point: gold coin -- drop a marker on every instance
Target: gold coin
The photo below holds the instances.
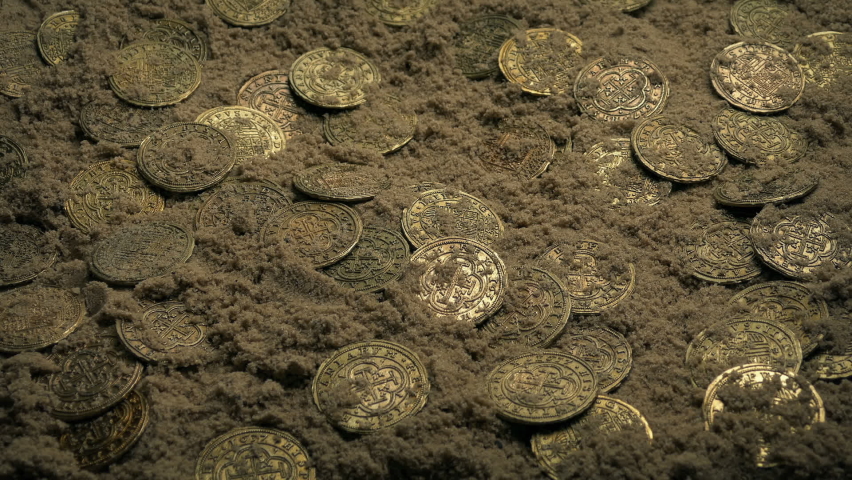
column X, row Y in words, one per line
column 722, row 253
column 164, row 331
column 763, row 20
column 522, row 148
column 536, row 310
column 13, row 160
column 253, row 133
column 56, row 35
column 834, row 367
column 20, row 63
column 25, row 252
column 137, row 252
column 333, row 78
column 36, row 317
column 398, row 13
column 186, row 157
column 100, row 441
column 758, row 139
column 269, row 92
column 445, row 213
column 478, row 43
column 243, row 206
column 254, row 453
column 606, row 351
column 621, row 89
column 249, row 13
column 382, row 382
column 543, row 63
column 460, row 279
column 624, row 5
column 758, row 77
column 120, row 123
column 542, row 388
column 154, row 74
column 96, row 190
column 323, row 233
column 748, row 190
column 825, row 57
column 425, row 187
column 175, row 32
column 379, row 258
column 341, row 182
column 676, row 152
column 618, row 170
column 385, row 126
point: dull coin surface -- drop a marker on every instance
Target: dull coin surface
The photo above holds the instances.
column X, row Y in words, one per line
column 35, row 317
column 20, row 62
column 444, row 213
column 722, row 253
column 523, row 149
column 605, row 350
column 243, row 206
column 676, row 152
column 618, row 170
column 118, row 122
column 621, row 89
column 25, row 252
column 262, row 453
column 379, row 257
column 13, row 160
column 136, row 252
column 544, row 64
column 249, row 13
column 269, row 92
column 164, row 331
column 155, row 74
column 479, row 41
column 341, row 182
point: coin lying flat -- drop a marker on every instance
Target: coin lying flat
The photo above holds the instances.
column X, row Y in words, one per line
column 542, row 388
column 749, row 191
column 177, row 33
column 164, row 331
column 763, row 20
column 443, row 213
column 244, row 206
column 521, row 148
column 56, row 35
column 154, row 74
column 479, row 41
column 543, row 64
column 19, row 62
column 36, row 317
column 388, row 380
column 824, row 57
column 606, row 351
column 398, row 13
column 122, row 124
column 13, row 160
column 333, row 78
column 341, row 182
column 385, row 125
column 757, row 139
column 624, row 5
column 676, row 152
column 137, row 252
column 262, row 453
column 617, row 169
column 249, row 13
column 253, row 133
column 269, row 92
column 98, row 442
column 25, row 252
column 758, row 77
column 621, row 89
column 722, row 253
column 379, row 257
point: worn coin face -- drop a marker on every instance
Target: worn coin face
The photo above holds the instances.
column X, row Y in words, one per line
column 253, row 133
column 254, row 453
column 379, row 257
column 542, row 388
column 722, row 253
column 621, row 89
column 676, row 152
column 521, row 148
column 617, row 169
column 333, row 78
column 606, row 351
column 177, row 33
column 460, row 279
column 20, row 63
column 824, row 57
column 164, row 331
column 155, row 74
column 13, row 160
column 122, row 124
column 400, row 12
column 249, row 13
column 186, row 157
column 757, row 77
column 100, row 441
column 25, row 252
column 56, row 35
column 243, row 206
column 748, row 191
column 479, row 41
column 137, row 252
column 341, row 182
column 385, row 126
column 36, row 317
column 269, row 92
column 833, row 367
column 758, row 139
column 443, row 213
column 763, row 20
column 543, row 63
column 624, row 5
column 388, row 380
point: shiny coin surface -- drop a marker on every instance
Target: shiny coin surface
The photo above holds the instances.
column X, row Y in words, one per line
column 544, row 63
column 262, row 453
column 825, row 57
column 619, row 171
column 243, row 206
column 323, row 233
column 676, row 152
column 624, row 5
column 186, row 157
column 97, row 190
column 19, row 62
column 605, row 350
column 137, row 252
column 56, row 35
column 36, row 317
column 758, row 77
column 333, row 78
column 385, row 126
column 269, row 92
column 253, row 133
column 388, row 380
column 13, row 160
column 98, row 442
column 25, row 252
column 753, row 190
column 379, row 257
column 523, row 149
column 722, row 253
column 341, row 182
column 177, row 33
column 460, row 279
column 479, row 41
column 120, row 123
column 249, row 13
column 444, row 213
column 164, row 331
column 621, row 89
column 154, row 74
column 542, row 388
column 763, row 20
column 757, row 139
column 398, row 13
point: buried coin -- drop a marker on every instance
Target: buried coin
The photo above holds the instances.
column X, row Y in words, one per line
column 523, row 149
column 833, row 367
column 825, row 57
column 444, row 213
column 624, row 5
column 398, row 13
column 621, row 89
column 249, row 13
column 20, row 64
column 763, row 20
column 722, row 253
column 269, row 92
column 118, row 122
column 341, row 182
column 676, row 152
column 154, row 74
column 618, row 170
column 333, row 78
column 177, row 33
column 479, row 41
column 543, row 63
column 36, row 317
column 606, row 351
column 384, row 126
column 263, row 453
column 243, row 206
column 379, row 257
column 757, row 139
column 749, row 190
column 253, row 133
column 56, row 35
column 25, row 252
column 165, row 330
column 13, row 160
column 136, row 252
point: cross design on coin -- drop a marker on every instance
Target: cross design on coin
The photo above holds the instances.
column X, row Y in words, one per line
column 313, row 232
column 585, row 281
column 766, row 21
column 171, row 326
column 253, row 462
column 465, row 285
column 621, row 90
column 84, row 373
column 540, row 384
column 99, row 200
column 769, row 136
column 366, row 260
column 378, row 387
column 530, row 311
column 597, row 354
column 277, row 104
column 725, row 244
column 804, row 241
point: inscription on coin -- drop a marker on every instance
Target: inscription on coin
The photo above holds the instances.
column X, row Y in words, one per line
column 253, row 133
column 341, row 182
column 606, row 351
column 544, row 63
column 398, row 13
column 825, row 57
column 36, row 317
column 253, row 453
column 177, row 33
column 13, row 160
column 56, row 35
column 758, row 139
column 122, row 124
column 269, row 92
column 385, row 125
column 521, row 148
column 379, row 257
column 757, row 77
column 833, row 367
column 479, row 41
column 25, row 252
column 333, row 78
column 722, row 253
column 618, row 170
column 750, row 190
column 763, row 20
column 137, row 252
column 249, row 13
column 165, row 330
column 20, row 64
column 244, row 206
column 155, row 74
column 444, row 213
column 676, row 152
column 621, row 89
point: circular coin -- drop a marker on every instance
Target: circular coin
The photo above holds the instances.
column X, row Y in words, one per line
column 253, row 133
column 260, row 452
column 398, row 13
column 757, row 139
column 388, row 380
column 137, row 252
column 824, row 57
column 36, row 317
column 164, row 331
column 341, row 182
column 834, row 367
column 764, row 20
column 722, row 253
column 249, row 13
column 478, row 41
column 56, row 35
column 122, row 124
column 379, row 257
column 543, row 63
column 25, row 252
column 624, row 5
column 622, row 89
column 606, row 351
column 333, row 78
column 243, row 206
column 384, row 126
column 444, row 213
column 617, row 169
column 154, row 74
column 522, row 148
column 177, row 33
column 13, row 160
column 20, row 63
column 269, row 92
column 757, row 77
column 676, row 152
column 748, row 191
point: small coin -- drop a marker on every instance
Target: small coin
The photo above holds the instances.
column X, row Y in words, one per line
column 478, row 43
column 249, row 13
column 834, row 367
column 341, row 182
column 253, row 133
column 722, row 253
column 186, row 157
column 543, row 64
column 98, row 442
column 445, row 213
column 542, row 388
column 25, row 252
column 137, row 252
column 269, row 92
column 521, row 148
column 536, row 310
column 56, row 35
column 676, row 152
column 333, row 78
column 398, row 13
column 36, row 317
column 164, row 331
column 749, row 190
column 621, row 89
column 425, row 187
column 763, row 20
column 460, row 279
column 606, row 351
column 20, row 63
column 758, row 77
column 825, row 57
column 13, row 160
column 243, row 206
column 385, row 126
column 618, row 170
column 624, row 5
column 386, row 382
column 177, row 33
column 379, row 257
column 758, row 139
column 254, row 453
column 155, row 74
column 323, row 233
column 122, row 124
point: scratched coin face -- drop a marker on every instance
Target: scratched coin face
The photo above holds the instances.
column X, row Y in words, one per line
column 155, row 74
column 619, row 172
column 341, row 182
column 763, row 20
column 333, row 78
column 544, row 63
column 542, row 388
column 621, row 89
column 136, row 252
column 383, row 125
column 249, row 13
column 379, row 258
column 174, row 32
column 522, row 149
column 385, row 383
column 165, row 331
column 478, row 43
column 253, row 133
column 36, row 317
column 748, row 190
column 56, row 35
column 269, row 92
column 120, row 123
column 13, row 160
column 676, row 152
column 722, row 253
column 25, row 252
column 758, row 139
column 399, row 12
column 606, row 351
column 254, row 453
column 825, row 57
column 19, row 62
column 444, row 213
column 243, row 206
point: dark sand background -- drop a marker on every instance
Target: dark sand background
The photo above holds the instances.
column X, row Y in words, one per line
column 275, row 318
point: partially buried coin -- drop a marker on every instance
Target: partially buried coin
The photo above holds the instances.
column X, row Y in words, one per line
column 118, row 122
column 379, row 258
column 834, row 367
column 264, row 453
column 165, row 331
column 36, row 317
column 398, row 13
column 446, row 213
column 543, row 62
column 19, row 62
column 25, row 252
column 676, row 152
column 754, row 190
column 605, row 350
column 13, row 160
column 614, row 89
column 177, row 33
column 243, row 206
column 341, row 182
column 758, row 139
column 758, row 77
column 384, row 125
column 249, row 13
column 253, row 133
column 619, row 171
column 624, row 5
column 269, row 92
column 154, row 74
column 56, row 35
column 521, row 148
column 479, row 41
column 722, row 253
column 333, row 78
column 825, row 57
column 763, row 20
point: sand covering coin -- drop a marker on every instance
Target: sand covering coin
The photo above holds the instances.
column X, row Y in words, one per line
column 136, row 252
column 521, row 148
column 763, row 20
column 13, row 160
column 380, row 257
column 675, row 152
column 825, row 57
column 255, row 451
column 754, row 190
column 722, row 253
column 757, row 139
column 624, row 5
column 621, row 89
column 245, row 207
column 24, row 253
column 478, row 43
column 605, row 350
column 177, row 33
column 341, row 182
column 164, row 331
column 398, row 13
column 446, row 213
column 833, row 367
column 34, row 317
column 269, row 92
column 154, row 74
column 56, row 35
column 120, row 123
column 19, row 62
column 252, row 133
column 249, row 13
column 618, row 170
column 384, row 125
column 333, row 78
column 543, row 63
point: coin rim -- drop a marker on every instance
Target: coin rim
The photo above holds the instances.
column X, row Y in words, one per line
column 51, row 60
column 595, row 115
column 22, row 155
column 496, row 66
column 247, row 23
column 133, row 281
column 511, row 43
column 173, row 99
column 746, row 227
column 72, row 326
column 337, row 106
column 718, row 195
column 381, row 286
column 665, row 119
column 219, row 440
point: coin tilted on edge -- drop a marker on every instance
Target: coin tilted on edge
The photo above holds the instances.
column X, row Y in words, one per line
column 757, row 139
column 13, row 160
column 269, row 92
column 19, row 61
column 676, row 152
column 56, row 35
column 825, row 57
column 521, row 148
column 479, row 41
column 264, row 451
column 618, row 170
column 251, row 13
column 253, row 133
column 136, row 252
column 388, row 380
column 624, row 5
column 341, row 182
column 120, row 123
column 763, row 20
column 543, row 64
column 333, row 78
column 384, row 125
column 244, row 206
column 35, row 317
column 398, row 13
column 380, row 257
column 164, row 330
column 445, row 213
column 722, row 253
column 748, row 190
column 605, row 350
column 621, row 89
column 25, row 252
column 154, row 74
column 177, row 33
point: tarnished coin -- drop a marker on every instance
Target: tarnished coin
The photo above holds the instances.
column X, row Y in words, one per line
column 249, row 13
column 20, row 64
column 460, row 279
column 36, row 317
column 385, row 125
column 387, row 380
column 164, row 331
column 738, row 342
column 323, row 233
column 244, row 206
column 758, row 77
column 789, row 303
column 155, row 74
column 25, row 252
column 757, row 139
column 398, row 13
column 624, row 5
column 478, row 43
column 521, row 148
column 56, row 35
column 536, row 310
column 445, row 213
column 606, row 351
column 341, row 182
column 98, row 442
column 621, row 89
column 425, row 187
column 13, row 160
column 722, row 253
column 824, row 57
column 543, row 64
column 252, row 132
column 122, row 124
column 763, row 20
column 617, row 169
column 379, row 257
column 269, row 92
column 97, row 190
column 754, row 190
column 676, row 152
column 262, row 453
column 186, row 157
column 137, row 252
column 333, row 78
column 177, row 33
column 833, row 367
column 542, row 388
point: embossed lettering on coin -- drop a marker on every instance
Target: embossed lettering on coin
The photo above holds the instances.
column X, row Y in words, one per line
column 757, row 139
column 24, row 253
column 20, row 64
column 825, row 56
column 833, row 367
column 154, row 74
column 757, row 77
column 244, row 206
column 253, row 453
column 379, row 257
column 122, row 124
column 269, row 92
column 754, row 190
column 764, row 20
column 341, row 182
column 253, row 133
column 384, row 125
column 479, row 41
column 606, row 351
column 676, row 152
column 56, row 35
column 13, row 160
column 618, row 170
column 137, row 252
column 544, row 63
column 36, row 317
column 333, row 78
column 398, row 13
column 622, row 89
column 249, row 13
column 722, row 253
column 164, row 331
column 443, row 213
column 521, row 148
column 177, row 33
